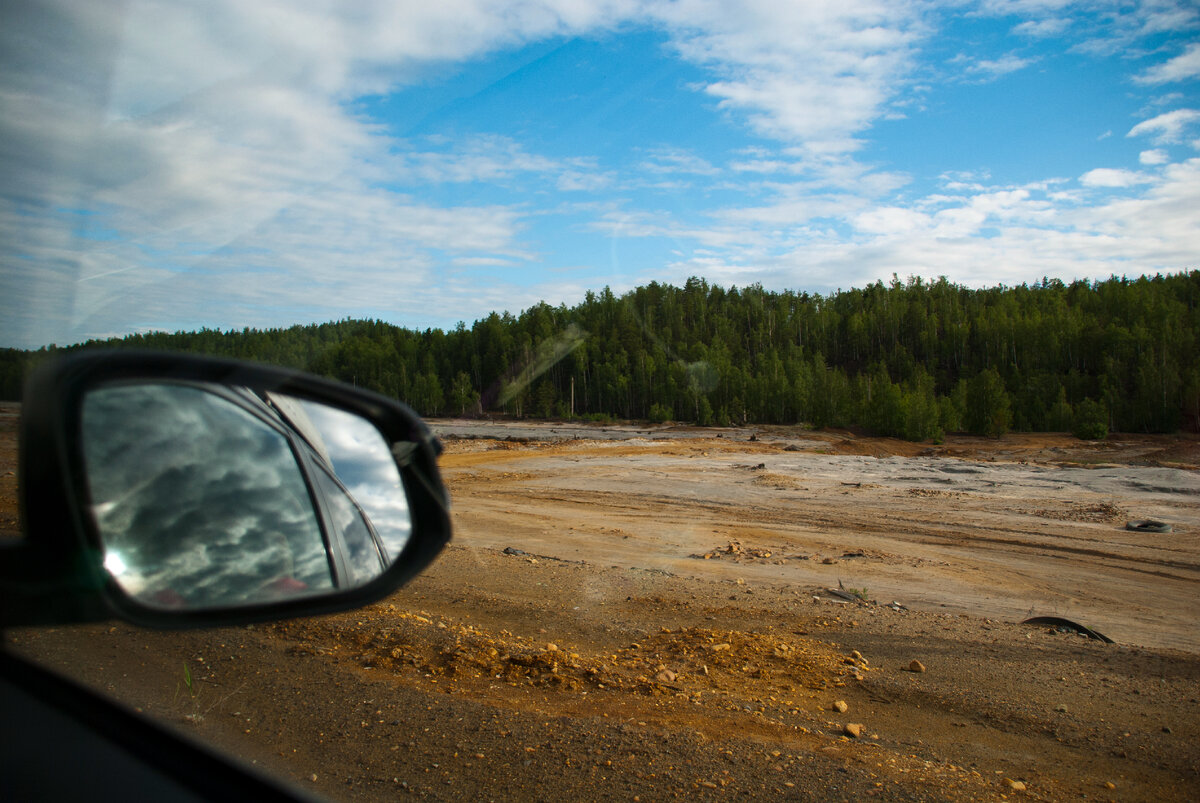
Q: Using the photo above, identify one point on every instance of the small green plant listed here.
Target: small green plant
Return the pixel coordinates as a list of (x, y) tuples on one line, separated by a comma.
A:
[(861, 593), (193, 693), (190, 685)]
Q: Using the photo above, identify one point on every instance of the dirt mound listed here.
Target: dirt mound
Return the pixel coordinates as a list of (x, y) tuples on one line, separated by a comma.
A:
[(691, 661)]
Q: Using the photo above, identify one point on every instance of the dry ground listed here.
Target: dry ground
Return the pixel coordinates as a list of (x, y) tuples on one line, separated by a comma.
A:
[(663, 628)]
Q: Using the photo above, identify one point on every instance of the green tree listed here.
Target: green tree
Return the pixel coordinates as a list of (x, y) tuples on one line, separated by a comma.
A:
[(989, 411), (462, 394), (660, 413), (1061, 417), (1091, 421)]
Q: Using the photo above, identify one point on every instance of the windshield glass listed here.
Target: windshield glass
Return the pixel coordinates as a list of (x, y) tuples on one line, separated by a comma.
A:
[(789, 358)]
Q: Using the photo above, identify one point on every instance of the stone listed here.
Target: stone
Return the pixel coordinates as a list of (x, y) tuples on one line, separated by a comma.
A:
[(1016, 786), (665, 676), (841, 707), (1060, 708), (853, 730), (916, 666)]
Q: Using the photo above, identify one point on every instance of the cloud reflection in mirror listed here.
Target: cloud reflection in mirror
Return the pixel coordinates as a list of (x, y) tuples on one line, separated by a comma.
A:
[(361, 459), (199, 503)]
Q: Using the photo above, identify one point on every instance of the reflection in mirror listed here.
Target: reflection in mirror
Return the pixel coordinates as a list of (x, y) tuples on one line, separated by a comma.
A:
[(199, 502), (363, 556), (361, 460)]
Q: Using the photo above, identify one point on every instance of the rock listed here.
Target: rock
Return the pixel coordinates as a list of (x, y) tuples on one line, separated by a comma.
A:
[(841, 707), (858, 656), (1016, 786), (665, 676), (916, 666), (508, 550), (552, 647), (719, 647), (853, 730), (1060, 708), (1109, 785), (829, 561)]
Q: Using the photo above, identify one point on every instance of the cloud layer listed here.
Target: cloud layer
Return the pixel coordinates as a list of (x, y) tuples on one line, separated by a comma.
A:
[(174, 165)]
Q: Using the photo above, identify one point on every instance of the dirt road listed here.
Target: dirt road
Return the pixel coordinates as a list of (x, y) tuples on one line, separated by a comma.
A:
[(659, 627)]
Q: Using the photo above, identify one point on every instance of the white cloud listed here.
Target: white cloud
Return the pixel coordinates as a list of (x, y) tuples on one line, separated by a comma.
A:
[(892, 221), (1182, 67), (483, 158), (1042, 28), (980, 237), (1111, 177), (991, 69), (811, 73), (583, 181), (1122, 29), (1166, 128), (1156, 156), (668, 160), (1164, 17)]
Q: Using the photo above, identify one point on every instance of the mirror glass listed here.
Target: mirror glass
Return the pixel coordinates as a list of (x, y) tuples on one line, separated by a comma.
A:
[(362, 462), (209, 496)]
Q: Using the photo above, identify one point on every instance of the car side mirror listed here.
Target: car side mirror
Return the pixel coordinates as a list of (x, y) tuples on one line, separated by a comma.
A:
[(175, 490)]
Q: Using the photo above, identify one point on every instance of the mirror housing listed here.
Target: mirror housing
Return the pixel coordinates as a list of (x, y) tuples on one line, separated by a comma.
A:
[(57, 572)]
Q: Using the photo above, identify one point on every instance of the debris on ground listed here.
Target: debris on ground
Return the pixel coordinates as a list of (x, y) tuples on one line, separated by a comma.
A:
[(735, 550), (844, 595), (1148, 526), (1061, 625)]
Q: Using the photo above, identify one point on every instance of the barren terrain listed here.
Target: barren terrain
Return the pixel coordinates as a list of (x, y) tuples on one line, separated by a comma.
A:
[(646, 613)]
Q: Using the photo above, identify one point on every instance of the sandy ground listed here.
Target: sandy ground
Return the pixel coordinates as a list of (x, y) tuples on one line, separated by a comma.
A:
[(1033, 525), (660, 627)]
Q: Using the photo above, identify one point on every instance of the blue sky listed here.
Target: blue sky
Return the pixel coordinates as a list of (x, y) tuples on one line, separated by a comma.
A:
[(172, 165)]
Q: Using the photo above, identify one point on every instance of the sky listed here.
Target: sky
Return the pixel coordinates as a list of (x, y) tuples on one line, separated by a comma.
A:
[(174, 165)]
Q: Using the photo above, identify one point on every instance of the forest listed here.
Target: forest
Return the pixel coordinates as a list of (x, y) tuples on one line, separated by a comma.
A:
[(913, 359)]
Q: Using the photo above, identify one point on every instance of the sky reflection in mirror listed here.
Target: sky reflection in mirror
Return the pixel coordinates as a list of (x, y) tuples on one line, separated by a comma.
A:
[(361, 459), (198, 502)]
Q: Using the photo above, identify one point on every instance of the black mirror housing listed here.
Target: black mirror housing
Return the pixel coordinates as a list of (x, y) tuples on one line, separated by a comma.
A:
[(58, 573)]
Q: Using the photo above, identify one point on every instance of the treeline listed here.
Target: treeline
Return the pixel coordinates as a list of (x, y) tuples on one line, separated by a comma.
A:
[(912, 359)]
